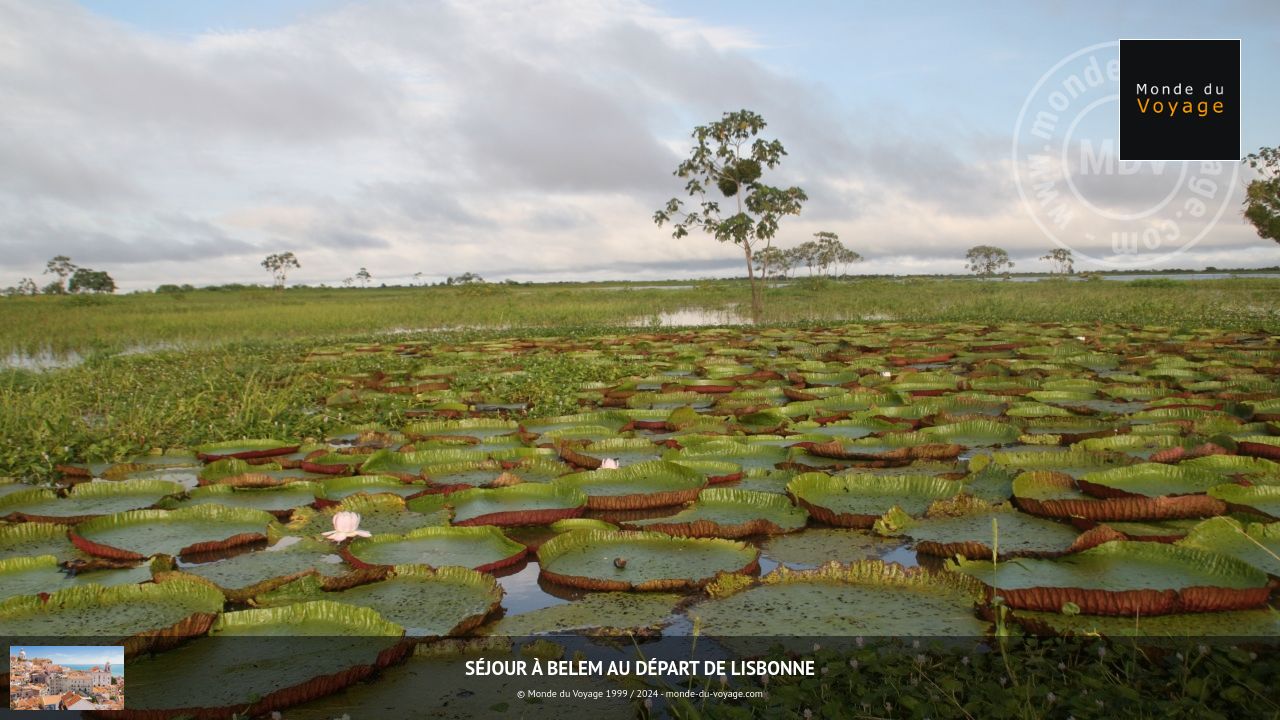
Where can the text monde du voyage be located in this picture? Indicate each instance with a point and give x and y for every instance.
(1180, 99)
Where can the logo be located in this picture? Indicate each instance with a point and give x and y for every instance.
(1066, 163)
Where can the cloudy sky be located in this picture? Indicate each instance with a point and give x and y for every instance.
(181, 142)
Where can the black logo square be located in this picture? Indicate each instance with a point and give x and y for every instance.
(1180, 100)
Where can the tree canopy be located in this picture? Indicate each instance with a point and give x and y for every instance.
(987, 260)
(1262, 196)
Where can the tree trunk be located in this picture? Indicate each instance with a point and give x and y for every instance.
(757, 302)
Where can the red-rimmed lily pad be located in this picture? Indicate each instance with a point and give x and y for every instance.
(858, 500)
(868, 598)
(972, 529)
(340, 487)
(1056, 495)
(144, 617)
(86, 500)
(244, 575)
(31, 538)
(330, 646)
(636, 487)
(522, 504)
(138, 534)
(482, 548)
(1255, 543)
(729, 513)
(1261, 499)
(1148, 480)
(244, 449)
(1125, 578)
(279, 500)
(425, 601)
(648, 561)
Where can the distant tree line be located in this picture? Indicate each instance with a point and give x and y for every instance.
(69, 278)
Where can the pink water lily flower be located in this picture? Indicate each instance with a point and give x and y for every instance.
(609, 464)
(346, 525)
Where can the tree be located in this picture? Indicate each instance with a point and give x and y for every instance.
(417, 276)
(364, 277)
(347, 281)
(1060, 260)
(771, 258)
(730, 157)
(94, 281)
(467, 278)
(1262, 196)
(279, 265)
(987, 260)
(61, 266)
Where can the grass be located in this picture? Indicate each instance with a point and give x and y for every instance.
(85, 325)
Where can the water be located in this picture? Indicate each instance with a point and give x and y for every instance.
(46, 359)
(692, 317)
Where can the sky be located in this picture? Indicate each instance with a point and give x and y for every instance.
(76, 654)
(182, 142)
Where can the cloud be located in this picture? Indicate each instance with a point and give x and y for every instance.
(509, 139)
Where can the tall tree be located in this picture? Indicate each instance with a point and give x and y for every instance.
(62, 267)
(94, 281)
(364, 277)
(279, 265)
(1060, 260)
(987, 260)
(771, 258)
(1262, 196)
(729, 156)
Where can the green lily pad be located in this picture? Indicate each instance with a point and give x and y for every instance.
(331, 646)
(273, 499)
(380, 514)
(425, 601)
(113, 612)
(636, 487)
(868, 598)
(482, 548)
(974, 530)
(31, 538)
(1149, 480)
(605, 613)
(729, 513)
(1252, 624)
(819, 546)
(857, 500)
(974, 433)
(1125, 578)
(338, 488)
(515, 505)
(603, 560)
(138, 534)
(1255, 543)
(1264, 499)
(243, 449)
(31, 575)
(88, 499)
(244, 575)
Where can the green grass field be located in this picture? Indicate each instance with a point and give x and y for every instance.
(91, 323)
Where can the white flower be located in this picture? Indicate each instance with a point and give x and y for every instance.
(885, 373)
(609, 464)
(1081, 338)
(346, 525)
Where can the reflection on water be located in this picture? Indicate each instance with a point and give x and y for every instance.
(46, 359)
(692, 317)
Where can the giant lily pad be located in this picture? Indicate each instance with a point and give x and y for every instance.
(523, 504)
(972, 529)
(244, 449)
(340, 487)
(138, 534)
(857, 500)
(1125, 578)
(330, 646)
(636, 487)
(482, 548)
(618, 560)
(41, 574)
(142, 616)
(1252, 624)
(379, 514)
(425, 601)
(605, 613)
(1255, 543)
(244, 575)
(819, 546)
(729, 513)
(278, 500)
(1148, 480)
(31, 538)
(86, 500)
(865, 598)
(1263, 499)
(1055, 494)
